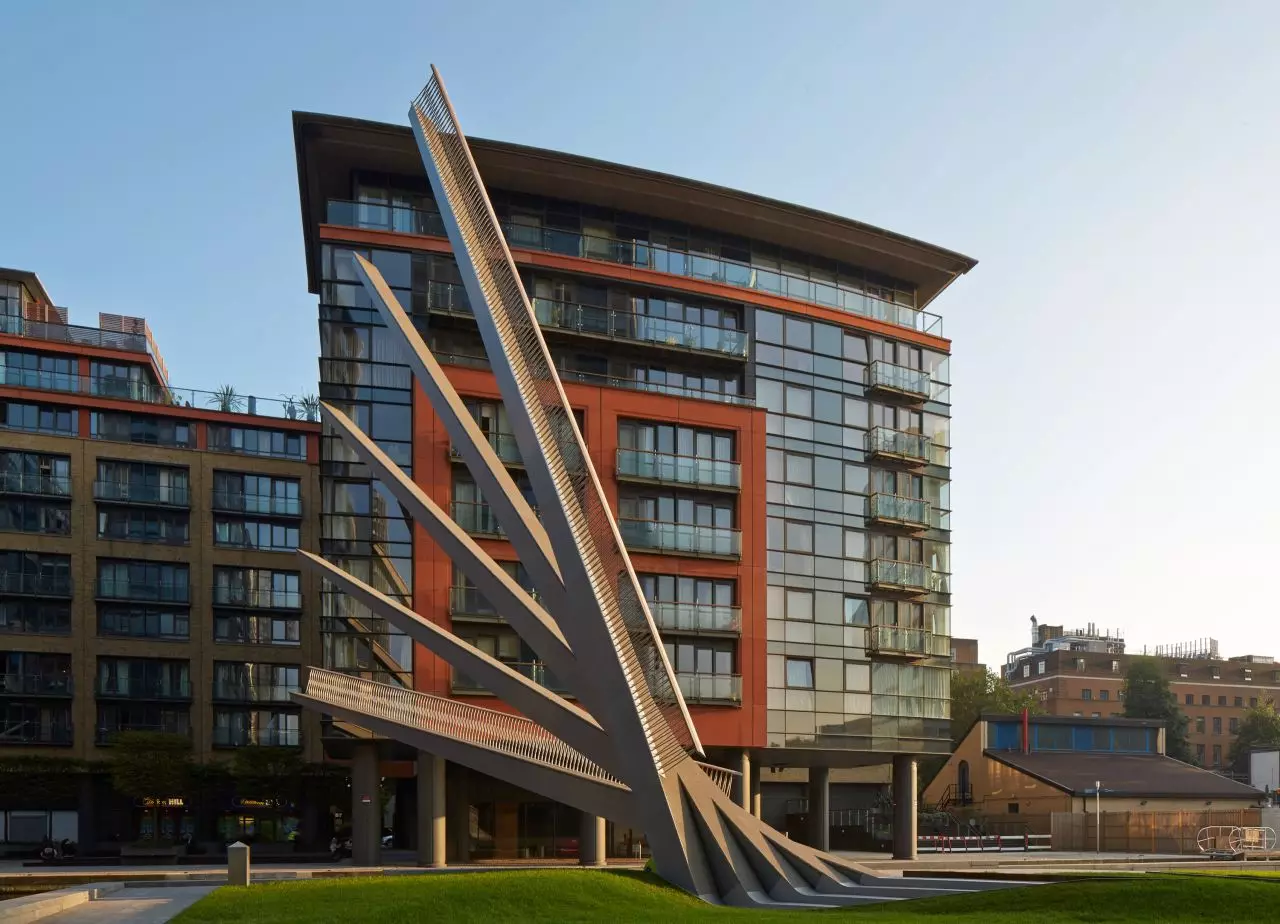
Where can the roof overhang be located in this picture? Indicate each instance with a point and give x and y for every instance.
(28, 279)
(329, 147)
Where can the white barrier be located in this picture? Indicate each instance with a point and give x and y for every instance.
(982, 843)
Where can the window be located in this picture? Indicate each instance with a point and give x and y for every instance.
(254, 534)
(142, 483)
(256, 587)
(1200, 754)
(1190, 699)
(1012, 808)
(237, 680)
(1104, 695)
(1233, 725)
(1086, 694)
(140, 621)
(38, 617)
(1206, 700)
(1239, 702)
(642, 436)
(1222, 700)
(1080, 665)
(35, 473)
(1217, 725)
(1253, 702)
(857, 677)
(1217, 755)
(800, 605)
(855, 611)
(33, 515)
(800, 673)
(21, 369)
(35, 573)
(143, 580)
(257, 442)
(140, 428)
(167, 527)
(1115, 667)
(260, 494)
(251, 629)
(1217, 673)
(1039, 667)
(39, 418)
(1026, 670)
(1199, 725)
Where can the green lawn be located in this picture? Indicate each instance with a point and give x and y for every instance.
(563, 896)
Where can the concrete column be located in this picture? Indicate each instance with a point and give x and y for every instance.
(366, 810)
(591, 841)
(431, 803)
(755, 789)
(742, 787)
(819, 807)
(904, 807)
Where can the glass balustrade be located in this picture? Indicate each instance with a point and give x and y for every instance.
(887, 376)
(685, 538)
(906, 511)
(669, 468)
(710, 688)
(696, 617)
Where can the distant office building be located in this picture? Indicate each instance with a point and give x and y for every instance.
(1081, 673)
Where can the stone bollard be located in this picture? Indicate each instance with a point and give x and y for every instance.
(238, 864)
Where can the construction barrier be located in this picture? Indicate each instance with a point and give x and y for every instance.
(982, 843)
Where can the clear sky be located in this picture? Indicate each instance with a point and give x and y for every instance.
(1113, 167)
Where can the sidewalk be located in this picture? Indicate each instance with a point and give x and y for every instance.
(140, 905)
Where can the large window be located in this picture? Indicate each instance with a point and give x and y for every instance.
(256, 588)
(254, 534)
(137, 620)
(264, 494)
(144, 580)
(141, 428)
(677, 440)
(20, 369)
(35, 573)
(142, 483)
(34, 515)
(35, 473)
(167, 527)
(39, 418)
(253, 441)
(38, 617)
(251, 682)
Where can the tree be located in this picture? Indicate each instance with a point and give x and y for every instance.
(151, 766)
(1260, 728)
(1147, 696)
(976, 692)
(270, 775)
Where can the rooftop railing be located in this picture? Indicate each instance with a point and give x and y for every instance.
(831, 293)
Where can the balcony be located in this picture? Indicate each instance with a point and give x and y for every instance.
(696, 617)
(533, 670)
(905, 642)
(246, 691)
(904, 576)
(681, 538)
(475, 518)
(22, 734)
(262, 504)
(710, 688)
(469, 603)
(638, 328)
(898, 446)
(76, 334)
(34, 484)
(35, 585)
(668, 468)
(143, 688)
(503, 444)
(840, 294)
(896, 510)
(256, 598)
(57, 686)
(899, 380)
(146, 591)
(146, 392)
(224, 737)
(125, 492)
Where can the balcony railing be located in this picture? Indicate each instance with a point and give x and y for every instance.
(150, 591)
(901, 575)
(909, 642)
(901, 446)
(72, 333)
(35, 732)
(106, 734)
(245, 691)
(224, 737)
(143, 688)
(682, 538)
(668, 468)
(696, 617)
(534, 670)
(475, 518)
(640, 328)
(657, 388)
(167, 495)
(840, 295)
(888, 377)
(901, 511)
(710, 688)
(264, 504)
(36, 684)
(35, 484)
(256, 597)
(504, 444)
(40, 585)
(125, 389)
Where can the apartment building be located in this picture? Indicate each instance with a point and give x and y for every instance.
(1082, 674)
(148, 576)
(766, 400)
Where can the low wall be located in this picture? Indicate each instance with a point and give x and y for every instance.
(1142, 832)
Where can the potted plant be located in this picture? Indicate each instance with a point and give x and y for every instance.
(310, 406)
(226, 398)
